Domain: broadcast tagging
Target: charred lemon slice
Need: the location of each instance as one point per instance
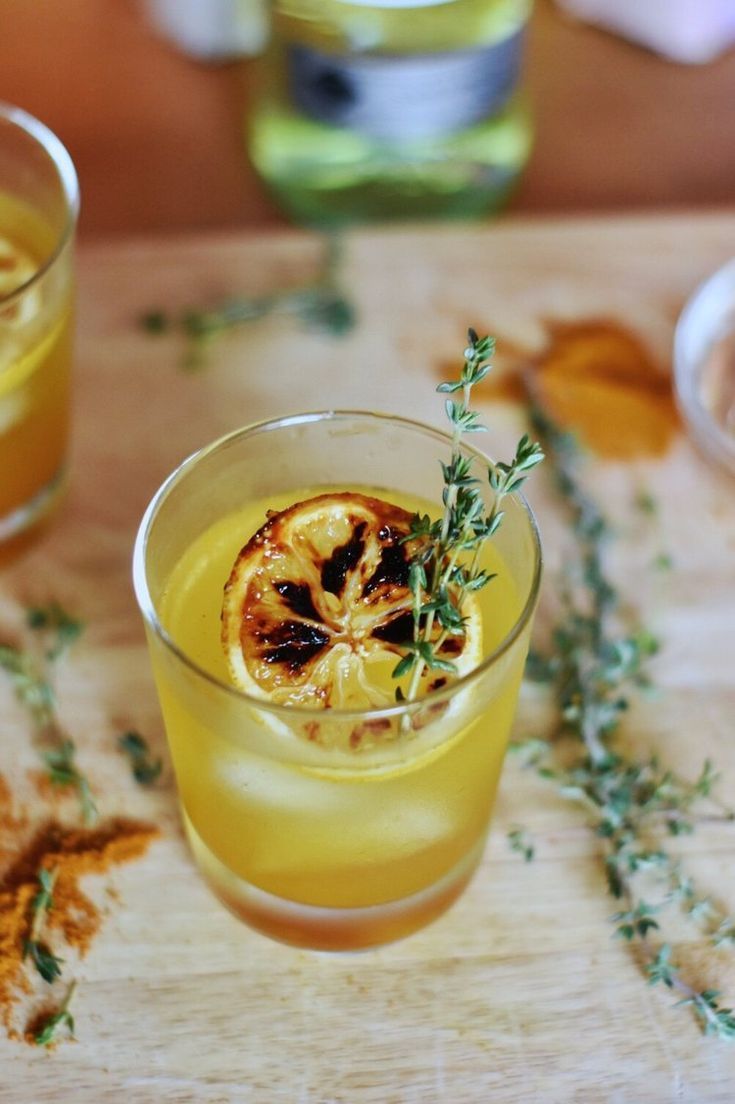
(16, 268)
(317, 606)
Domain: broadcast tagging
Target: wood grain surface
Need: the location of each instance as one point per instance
(519, 993)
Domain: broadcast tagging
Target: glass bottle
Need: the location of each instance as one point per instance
(380, 109)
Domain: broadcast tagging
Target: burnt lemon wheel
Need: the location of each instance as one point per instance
(317, 606)
(16, 268)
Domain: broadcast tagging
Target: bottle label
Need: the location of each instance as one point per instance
(402, 96)
(395, 3)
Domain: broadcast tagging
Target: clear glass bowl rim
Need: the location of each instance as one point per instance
(712, 438)
(304, 714)
(64, 165)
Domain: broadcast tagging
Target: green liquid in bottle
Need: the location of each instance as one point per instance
(393, 109)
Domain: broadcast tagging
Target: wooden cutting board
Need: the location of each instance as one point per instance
(519, 993)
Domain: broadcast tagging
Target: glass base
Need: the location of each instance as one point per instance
(329, 929)
(22, 525)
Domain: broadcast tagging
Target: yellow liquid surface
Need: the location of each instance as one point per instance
(35, 362)
(345, 837)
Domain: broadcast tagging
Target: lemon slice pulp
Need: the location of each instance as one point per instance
(16, 268)
(317, 606)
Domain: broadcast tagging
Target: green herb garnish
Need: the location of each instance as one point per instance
(591, 667)
(145, 769)
(32, 688)
(47, 1032)
(645, 502)
(520, 841)
(446, 567)
(61, 627)
(319, 305)
(63, 771)
(155, 322)
(45, 961)
(30, 678)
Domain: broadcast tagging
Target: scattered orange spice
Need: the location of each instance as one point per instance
(72, 853)
(51, 792)
(12, 823)
(5, 795)
(597, 379)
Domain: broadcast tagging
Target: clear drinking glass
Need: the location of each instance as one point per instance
(39, 203)
(311, 840)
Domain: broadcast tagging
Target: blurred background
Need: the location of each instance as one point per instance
(157, 134)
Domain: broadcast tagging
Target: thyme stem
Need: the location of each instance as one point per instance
(45, 961)
(46, 1035)
(590, 668)
(31, 681)
(438, 579)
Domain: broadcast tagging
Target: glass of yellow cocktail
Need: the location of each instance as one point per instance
(39, 202)
(322, 808)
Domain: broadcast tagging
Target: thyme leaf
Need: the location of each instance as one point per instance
(63, 771)
(520, 841)
(145, 769)
(57, 624)
(46, 962)
(48, 1031)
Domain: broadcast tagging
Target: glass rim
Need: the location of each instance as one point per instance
(700, 324)
(304, 713)
(61, 159)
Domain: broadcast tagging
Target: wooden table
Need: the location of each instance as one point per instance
(519, 993)
(157, 136)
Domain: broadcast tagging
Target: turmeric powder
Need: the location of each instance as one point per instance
(596, 379)
(71, 853)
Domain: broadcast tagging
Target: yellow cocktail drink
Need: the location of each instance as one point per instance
(35, 362)
(37, 215)
(345, 837)
(328, 828)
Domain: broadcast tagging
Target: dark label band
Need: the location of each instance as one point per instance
(404, 96)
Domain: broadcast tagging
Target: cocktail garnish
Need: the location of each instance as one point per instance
(445, 570)
(318, 602)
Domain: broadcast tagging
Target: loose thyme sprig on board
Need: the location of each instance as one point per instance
(30, 678)
(144, 768)
(58, 626)
(319, 305)
(34, 947)
(591, 668)
(438, 578)
(47, 1032)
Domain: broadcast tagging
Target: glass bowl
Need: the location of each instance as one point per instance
(704, 366)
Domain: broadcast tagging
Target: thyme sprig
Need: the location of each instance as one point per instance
(59, 627)
(48, 1031)
(592, 666)
(30, 677)
(520, 841)
(62, 771)
(34, 947)
(446, 566)
(319, 305)
(144, 768)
